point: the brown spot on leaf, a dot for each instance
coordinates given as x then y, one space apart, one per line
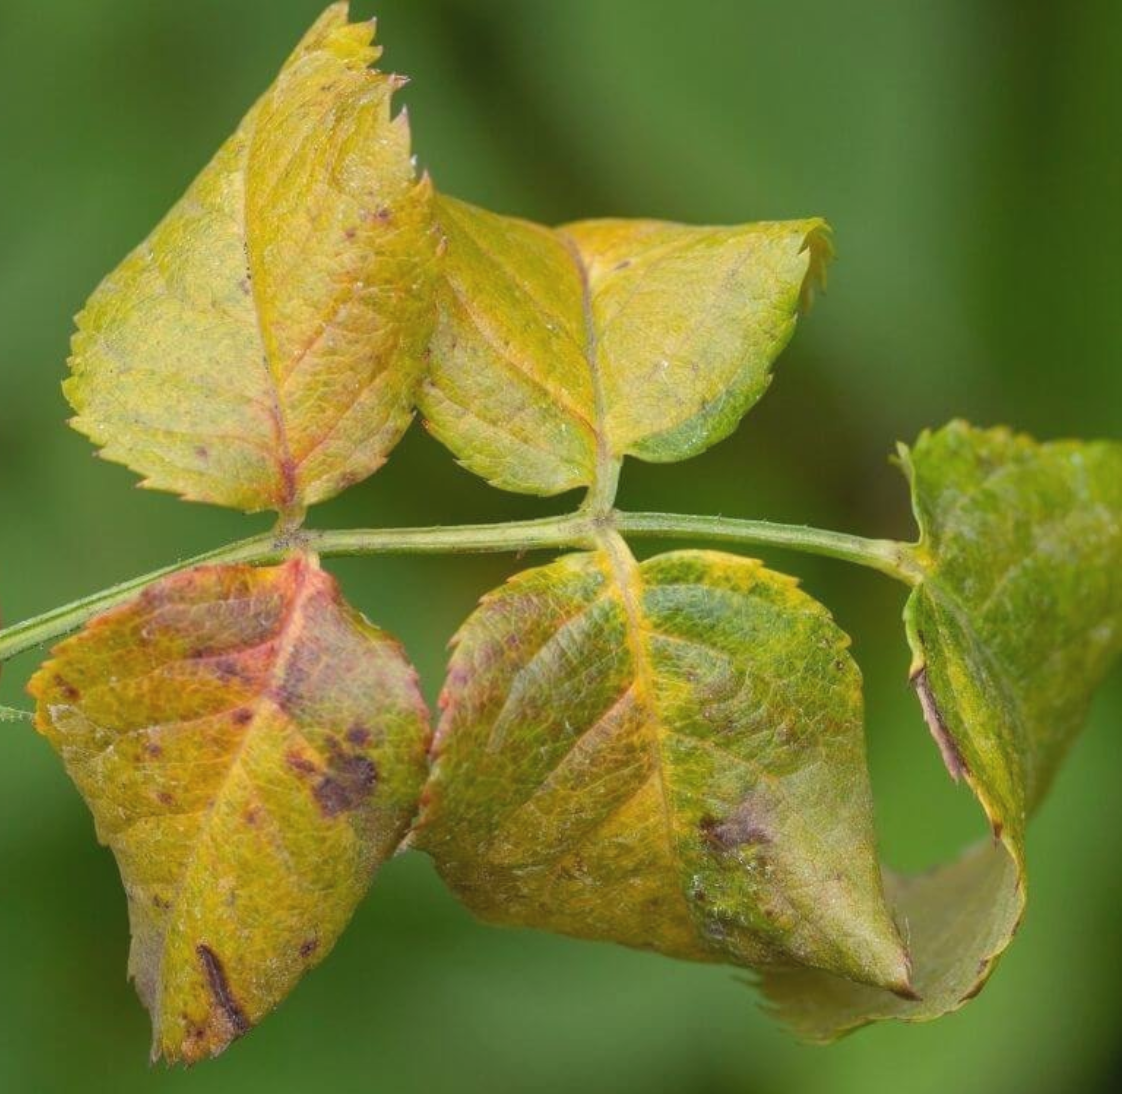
948 749
309 947
347 784
242 716
219 986
227 669
358 735
68 690
300 763
741 828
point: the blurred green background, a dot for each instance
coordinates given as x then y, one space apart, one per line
967 154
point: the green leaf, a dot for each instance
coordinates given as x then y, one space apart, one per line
666 755
251 749
262 348
556 350
1015 624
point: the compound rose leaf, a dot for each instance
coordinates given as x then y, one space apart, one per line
667 755
262 348
1014 625
251 750
609 338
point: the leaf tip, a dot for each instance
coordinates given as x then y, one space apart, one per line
818 242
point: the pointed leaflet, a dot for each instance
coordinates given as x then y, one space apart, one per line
261 349
606 338
668 756
1017 620
251 749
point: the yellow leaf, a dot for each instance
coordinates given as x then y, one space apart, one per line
667 755
251 749
558 351
262 348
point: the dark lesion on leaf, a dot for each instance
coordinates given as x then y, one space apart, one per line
347 783
344 784
300 763
219 987
741 828
933 716
67 689
358 735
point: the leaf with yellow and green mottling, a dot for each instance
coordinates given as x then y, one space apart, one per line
1014 624
262 348
667 755
556 349
251 749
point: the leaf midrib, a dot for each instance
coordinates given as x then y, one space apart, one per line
288 631
625 574
283 458
605 471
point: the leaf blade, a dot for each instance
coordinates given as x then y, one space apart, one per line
560 351
509 390
221 730
613 763
262 348
689 322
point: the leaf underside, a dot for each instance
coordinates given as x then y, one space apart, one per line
262 348
1016 623
555 349
251 750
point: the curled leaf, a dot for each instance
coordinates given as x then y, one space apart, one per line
606 338
1014 625
252 750
262 348
666 755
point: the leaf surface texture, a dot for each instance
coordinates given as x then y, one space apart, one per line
251 750
1016 623
262 348
558 350
667 755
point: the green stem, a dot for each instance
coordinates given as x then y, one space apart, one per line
573 530
274 547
